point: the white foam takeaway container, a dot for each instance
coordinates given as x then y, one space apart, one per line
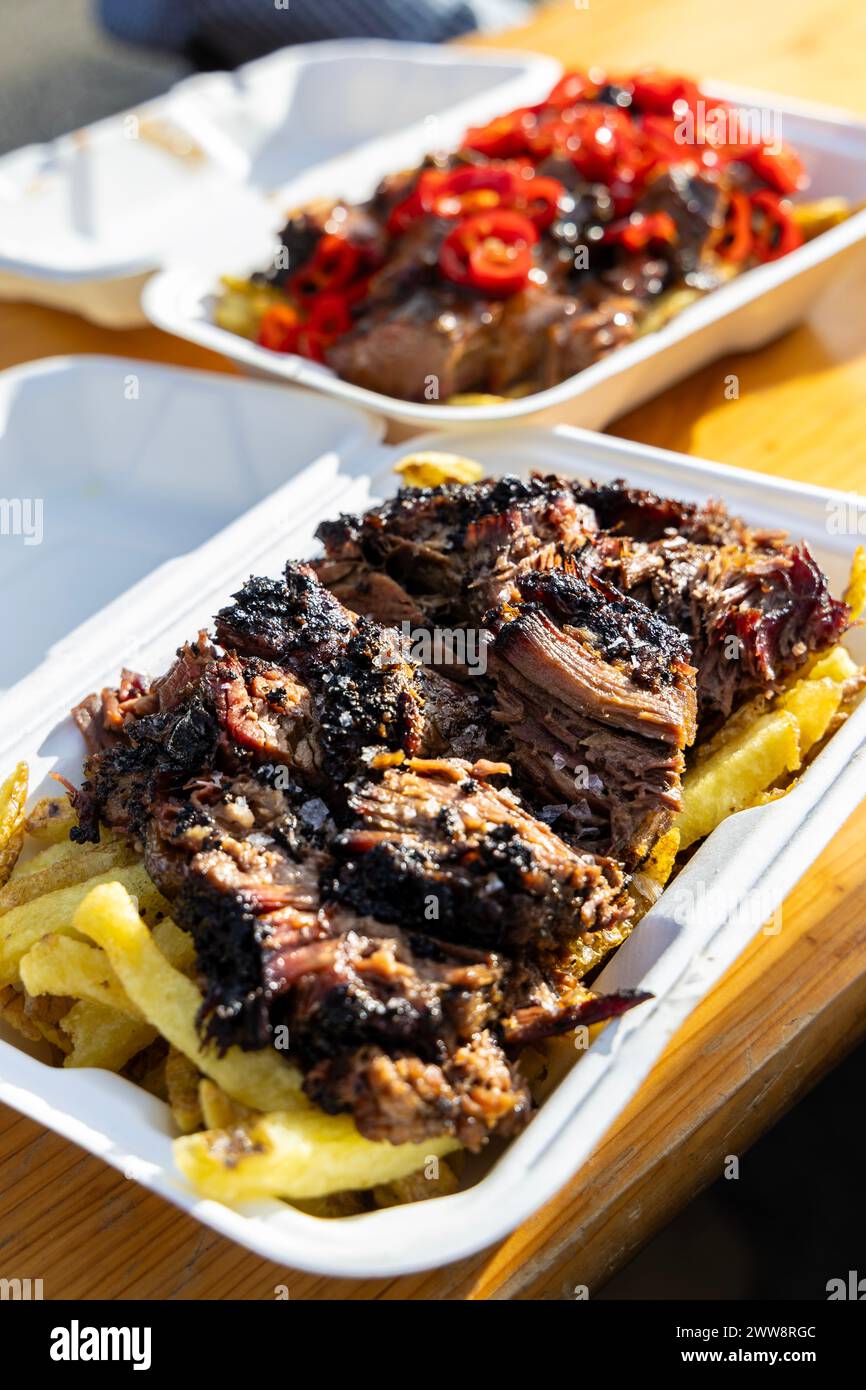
746 313
86 218
333 459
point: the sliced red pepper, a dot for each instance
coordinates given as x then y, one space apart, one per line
572 88
736 241
658 92
776 233
539 198
329 314
639 231
419 201
332 266
659 137
782 170
474 188
597 139
279 327
504 136
491 251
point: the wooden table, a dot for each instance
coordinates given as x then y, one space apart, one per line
793 1004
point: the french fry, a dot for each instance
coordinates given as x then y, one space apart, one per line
36 1019
13 797
182 1083
731 778
243 303
666 307
103 1037
474 398
741 719
21 927
171 1002
432 468
813 704
773 794
52 854
51 820
108 1038
176 945
301 1154
836 664
855 594
82 863
660 862
65 966
218 1110
820 215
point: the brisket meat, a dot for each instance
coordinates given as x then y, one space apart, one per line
598 698
453 551
280 795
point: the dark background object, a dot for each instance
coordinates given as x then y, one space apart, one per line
792 1220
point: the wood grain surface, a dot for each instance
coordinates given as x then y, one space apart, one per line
789 1008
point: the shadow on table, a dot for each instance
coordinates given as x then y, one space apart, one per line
794 1219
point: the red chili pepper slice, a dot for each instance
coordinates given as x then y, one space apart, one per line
504 136
659 92
539 198
597 139
572 88
329 314
782 169
736 241
279 327
474 188
491 251
776 233
419 201
639 231
658 137
332 266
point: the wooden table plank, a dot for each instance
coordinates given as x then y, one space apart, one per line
788 1009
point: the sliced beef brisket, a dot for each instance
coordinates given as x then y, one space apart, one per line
254 782
454 551
598 699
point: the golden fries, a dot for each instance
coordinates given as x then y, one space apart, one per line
820 215
659 864
433 468
36 1019
65 966
261 1080
836 665
218 1110
79 863
813 704
51 820
182 1083
304 1153
242 305
731 778
21 927
13 796
475 398
103 1037
855 594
